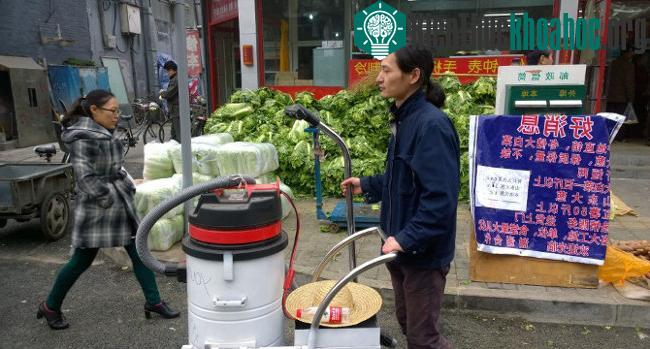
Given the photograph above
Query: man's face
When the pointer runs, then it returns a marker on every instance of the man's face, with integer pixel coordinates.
(392, 81)
(171, 72)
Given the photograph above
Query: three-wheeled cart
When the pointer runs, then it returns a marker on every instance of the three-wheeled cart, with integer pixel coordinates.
(37, 190)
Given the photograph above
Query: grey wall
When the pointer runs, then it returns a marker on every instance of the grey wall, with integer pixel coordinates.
(20, 33)
(122, 51)
(20, 23)
(160, 35)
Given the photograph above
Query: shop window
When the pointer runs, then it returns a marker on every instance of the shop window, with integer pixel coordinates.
(296, 33)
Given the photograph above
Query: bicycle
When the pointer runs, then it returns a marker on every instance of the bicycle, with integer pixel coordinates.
(147, 128)
(198, 118)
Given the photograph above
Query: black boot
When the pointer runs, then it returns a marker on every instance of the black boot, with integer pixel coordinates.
(54, 317)
(162, 309)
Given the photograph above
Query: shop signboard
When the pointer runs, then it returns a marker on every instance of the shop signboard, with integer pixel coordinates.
(223, 10)
(540, 185)
(467, 69)
(194, 66)
(379, 29)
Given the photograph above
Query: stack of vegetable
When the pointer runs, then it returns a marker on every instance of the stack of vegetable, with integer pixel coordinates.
(212, 156)
(361, 116)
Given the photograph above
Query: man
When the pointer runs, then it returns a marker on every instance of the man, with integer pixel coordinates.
(171, 95)
(418, 192)
(539, 58)
(620, 90)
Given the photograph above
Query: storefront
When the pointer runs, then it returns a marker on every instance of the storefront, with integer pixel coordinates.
(308, 45)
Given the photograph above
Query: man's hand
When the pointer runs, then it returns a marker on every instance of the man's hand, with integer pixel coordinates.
(356, 186)
(391, 245)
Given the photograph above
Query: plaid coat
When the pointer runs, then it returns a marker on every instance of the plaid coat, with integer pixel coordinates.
(104, 214)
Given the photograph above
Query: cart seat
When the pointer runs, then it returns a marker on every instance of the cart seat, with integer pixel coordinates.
(43, 150)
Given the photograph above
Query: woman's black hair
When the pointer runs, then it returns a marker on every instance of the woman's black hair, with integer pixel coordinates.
(81, 107)
(411, 57)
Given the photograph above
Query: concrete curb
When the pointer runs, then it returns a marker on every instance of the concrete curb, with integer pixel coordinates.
(584, 308)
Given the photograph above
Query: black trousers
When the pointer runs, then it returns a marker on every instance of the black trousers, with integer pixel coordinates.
(418, 300)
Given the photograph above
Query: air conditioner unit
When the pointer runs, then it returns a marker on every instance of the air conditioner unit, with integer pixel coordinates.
(130, 19)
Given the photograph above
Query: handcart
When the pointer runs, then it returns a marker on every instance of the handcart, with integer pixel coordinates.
(37, 190)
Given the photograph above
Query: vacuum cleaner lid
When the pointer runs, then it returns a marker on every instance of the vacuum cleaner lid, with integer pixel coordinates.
(238, 216)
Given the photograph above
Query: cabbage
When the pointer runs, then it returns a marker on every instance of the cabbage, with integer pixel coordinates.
(157, 161)
(213, 139)
(251, 159)
(150, 194)
(165, 233)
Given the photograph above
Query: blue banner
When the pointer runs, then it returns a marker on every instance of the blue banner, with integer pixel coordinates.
(540, 185)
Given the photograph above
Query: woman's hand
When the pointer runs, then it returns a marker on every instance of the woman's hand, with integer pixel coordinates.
(355, 182)
(391, 245)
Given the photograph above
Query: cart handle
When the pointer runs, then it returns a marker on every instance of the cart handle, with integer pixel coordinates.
(313, 330)
(300, 112)
(339, 246)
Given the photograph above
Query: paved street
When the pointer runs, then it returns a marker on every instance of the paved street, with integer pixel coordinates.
(105, 306)
(105, 309)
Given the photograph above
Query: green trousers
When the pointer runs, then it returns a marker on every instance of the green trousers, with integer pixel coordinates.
(82, 259)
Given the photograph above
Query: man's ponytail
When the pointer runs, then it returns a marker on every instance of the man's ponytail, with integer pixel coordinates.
(435, 94)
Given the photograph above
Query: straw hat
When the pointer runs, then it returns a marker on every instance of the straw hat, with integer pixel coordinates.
(363, 301)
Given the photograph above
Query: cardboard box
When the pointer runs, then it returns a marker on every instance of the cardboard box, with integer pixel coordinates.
(487, 267)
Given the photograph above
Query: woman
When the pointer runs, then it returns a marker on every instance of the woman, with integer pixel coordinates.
(419, 194)
(104, 214)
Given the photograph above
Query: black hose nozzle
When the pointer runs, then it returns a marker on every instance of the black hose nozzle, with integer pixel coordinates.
(301, 113)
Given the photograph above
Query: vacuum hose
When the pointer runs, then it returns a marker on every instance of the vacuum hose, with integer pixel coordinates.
(170, 269)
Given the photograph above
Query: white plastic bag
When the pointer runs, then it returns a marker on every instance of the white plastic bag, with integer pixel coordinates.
(213, 139)
(165, 233)
(150, 194)
(286, 206)
(197, 178)
(266, 178)
(630, 115)
(251, 159)
(157, 160)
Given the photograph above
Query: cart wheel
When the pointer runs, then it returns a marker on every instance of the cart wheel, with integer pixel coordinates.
(3, 222)
(333, 228)
(55, 216)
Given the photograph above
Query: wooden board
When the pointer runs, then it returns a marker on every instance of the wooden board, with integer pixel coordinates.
(487, 267)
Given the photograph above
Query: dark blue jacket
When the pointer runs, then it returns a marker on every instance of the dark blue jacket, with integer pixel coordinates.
(419, 190)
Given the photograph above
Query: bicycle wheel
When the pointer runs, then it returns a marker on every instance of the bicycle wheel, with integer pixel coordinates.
(152, 133)
(138, 116)
(165, 133)
(123, 135)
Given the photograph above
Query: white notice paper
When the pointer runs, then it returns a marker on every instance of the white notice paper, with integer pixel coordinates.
(502, 188)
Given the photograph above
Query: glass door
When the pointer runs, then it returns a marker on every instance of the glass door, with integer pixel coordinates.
(226, 60)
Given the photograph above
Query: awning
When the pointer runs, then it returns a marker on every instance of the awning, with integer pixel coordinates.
(13, 62)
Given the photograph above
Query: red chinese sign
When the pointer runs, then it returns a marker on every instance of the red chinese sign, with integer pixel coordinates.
(223, 10)
(194, 66)
(467, 69)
